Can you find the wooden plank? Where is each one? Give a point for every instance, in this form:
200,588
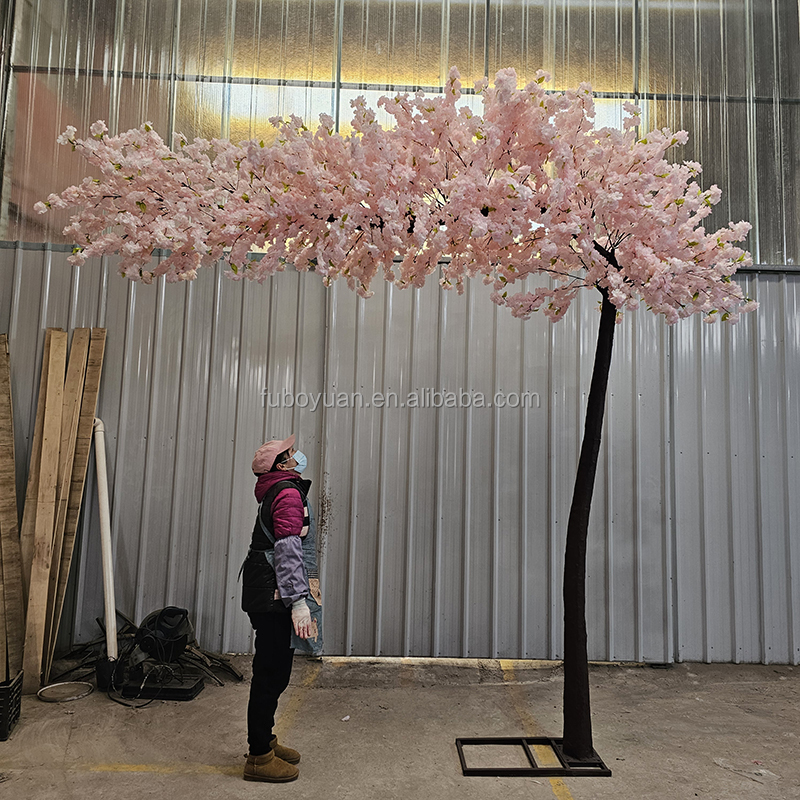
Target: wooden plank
14,618
83,443
73,394
4,440
4,667
26,534
45,513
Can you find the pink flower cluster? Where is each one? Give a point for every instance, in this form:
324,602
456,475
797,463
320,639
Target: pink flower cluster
528,188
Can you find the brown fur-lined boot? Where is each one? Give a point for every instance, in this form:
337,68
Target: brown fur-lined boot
269,768
284,753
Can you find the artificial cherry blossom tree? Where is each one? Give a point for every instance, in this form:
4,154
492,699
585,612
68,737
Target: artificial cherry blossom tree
529,189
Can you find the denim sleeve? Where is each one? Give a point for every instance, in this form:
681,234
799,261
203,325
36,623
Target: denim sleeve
290,570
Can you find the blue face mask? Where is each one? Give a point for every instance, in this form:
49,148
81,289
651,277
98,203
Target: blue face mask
302,462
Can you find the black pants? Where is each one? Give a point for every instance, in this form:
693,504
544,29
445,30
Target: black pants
272,667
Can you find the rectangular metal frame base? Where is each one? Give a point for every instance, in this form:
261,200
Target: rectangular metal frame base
570,767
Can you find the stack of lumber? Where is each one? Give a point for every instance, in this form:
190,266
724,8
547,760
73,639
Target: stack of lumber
12,621
59,458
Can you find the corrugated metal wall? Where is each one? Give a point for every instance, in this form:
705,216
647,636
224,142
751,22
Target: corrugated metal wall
442,529
725,70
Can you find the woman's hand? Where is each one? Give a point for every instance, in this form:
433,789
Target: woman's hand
301,618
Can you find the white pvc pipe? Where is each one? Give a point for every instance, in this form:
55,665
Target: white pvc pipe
105,538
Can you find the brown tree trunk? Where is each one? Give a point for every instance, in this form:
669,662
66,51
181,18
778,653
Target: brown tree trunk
577,711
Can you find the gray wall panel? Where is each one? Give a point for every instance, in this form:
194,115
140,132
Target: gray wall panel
7,258
441,530
774,491
534,566
193,380
746,600
791,305
159,478
218,464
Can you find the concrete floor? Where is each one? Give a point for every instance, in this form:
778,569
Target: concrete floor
386,729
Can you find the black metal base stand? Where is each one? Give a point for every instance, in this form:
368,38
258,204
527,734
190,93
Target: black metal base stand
569,767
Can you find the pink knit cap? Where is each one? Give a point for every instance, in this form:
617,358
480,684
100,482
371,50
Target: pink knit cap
265,456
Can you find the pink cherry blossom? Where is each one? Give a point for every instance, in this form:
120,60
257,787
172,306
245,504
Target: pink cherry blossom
98,128
529,189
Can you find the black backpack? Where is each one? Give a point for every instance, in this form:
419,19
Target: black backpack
164,634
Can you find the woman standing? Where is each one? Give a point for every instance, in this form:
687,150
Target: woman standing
276,594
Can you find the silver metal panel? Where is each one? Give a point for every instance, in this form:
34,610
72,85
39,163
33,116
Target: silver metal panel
193,378
131,531
249,423
774,489
442,528
725,71
791,400
538,580
219,428
746,568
